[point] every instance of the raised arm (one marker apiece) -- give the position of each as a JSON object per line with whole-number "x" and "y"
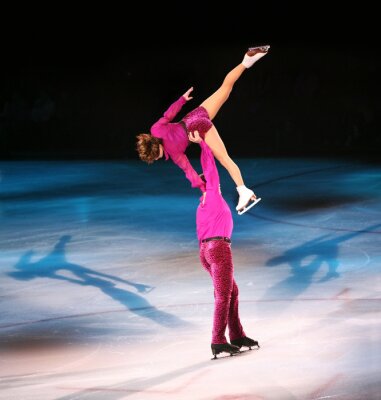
{"x": 170, "y": 114}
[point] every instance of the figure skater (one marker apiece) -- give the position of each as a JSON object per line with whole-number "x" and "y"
{"x": 214, "y": 225}
{"x": 170, "y": 139}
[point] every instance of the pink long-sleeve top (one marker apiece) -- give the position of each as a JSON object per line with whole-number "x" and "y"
{"x": 175, "y": 141}
{"x": 213, "y": 217}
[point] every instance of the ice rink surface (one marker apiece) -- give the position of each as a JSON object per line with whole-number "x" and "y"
{"x": 103, "y": 295}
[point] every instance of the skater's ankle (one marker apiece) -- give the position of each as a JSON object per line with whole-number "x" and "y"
{"x": 251, "y": 57}
{"x": 243, "y": 189}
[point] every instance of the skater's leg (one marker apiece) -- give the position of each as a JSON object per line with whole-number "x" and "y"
{"x": 218, "y": 255}
{"x": 235, "y": 328}
{"x": 212, "y": 105}
{"x": 214, "y": 102}
{"x": 204, "y": 263}
{"x": 215, "y": 338}
{"x": 214, "y": 141}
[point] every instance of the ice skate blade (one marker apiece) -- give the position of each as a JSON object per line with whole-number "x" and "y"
{"x": 264, "y": 48}
{"x": 224, "y": 354}
{"x": 242, "y": 352}
{"x": 257, "y": 200}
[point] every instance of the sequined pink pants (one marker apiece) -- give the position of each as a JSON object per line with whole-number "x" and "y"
{"x": 198, "y": 120}
{"x": 216, "y": 258}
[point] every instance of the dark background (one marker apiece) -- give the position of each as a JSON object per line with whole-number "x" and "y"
{"x": 82, "y": 82}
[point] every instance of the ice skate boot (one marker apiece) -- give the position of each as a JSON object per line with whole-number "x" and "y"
{"x": 245, "y": 342}
{"x": 253, "y": 54}
{"x": 224, "y": 348}
{"x": 246, "y": 200}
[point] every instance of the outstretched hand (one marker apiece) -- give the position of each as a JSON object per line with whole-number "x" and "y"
{"x": 194, "y": 137}
{"x": 187, "y": 96}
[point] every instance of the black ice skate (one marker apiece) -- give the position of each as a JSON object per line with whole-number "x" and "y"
{"x": 245, "y": 342}
{"x": 224, "y": 348}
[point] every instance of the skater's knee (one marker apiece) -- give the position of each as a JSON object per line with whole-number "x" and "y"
{"x": 224, "y": 295}
{"x": 235, "y": 291}
{"x": 227, "y": 86}
{"x": 225, "y": 159}
{"x": 222, "y": 303}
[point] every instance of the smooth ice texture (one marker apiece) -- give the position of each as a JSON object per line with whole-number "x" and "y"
{"x": 103, "y": 295}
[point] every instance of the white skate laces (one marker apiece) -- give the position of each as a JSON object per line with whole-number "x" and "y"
{"x": 249, "y": 61}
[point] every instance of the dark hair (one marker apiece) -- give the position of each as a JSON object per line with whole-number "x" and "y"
{"x": 148, "y": 147}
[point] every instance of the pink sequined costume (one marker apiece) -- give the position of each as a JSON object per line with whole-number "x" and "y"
{"x": 214, "y": 220}
{"x": 198, "y": 120}
{"x": 174, "y": 136}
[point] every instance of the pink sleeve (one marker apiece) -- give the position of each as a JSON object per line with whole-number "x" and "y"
{"x": 182, "y": 161}
{"x": 209, "y": 167}
{"x": 173, "y": 110}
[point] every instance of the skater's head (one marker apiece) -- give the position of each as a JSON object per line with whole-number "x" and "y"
{"x": 149, "y": 148}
